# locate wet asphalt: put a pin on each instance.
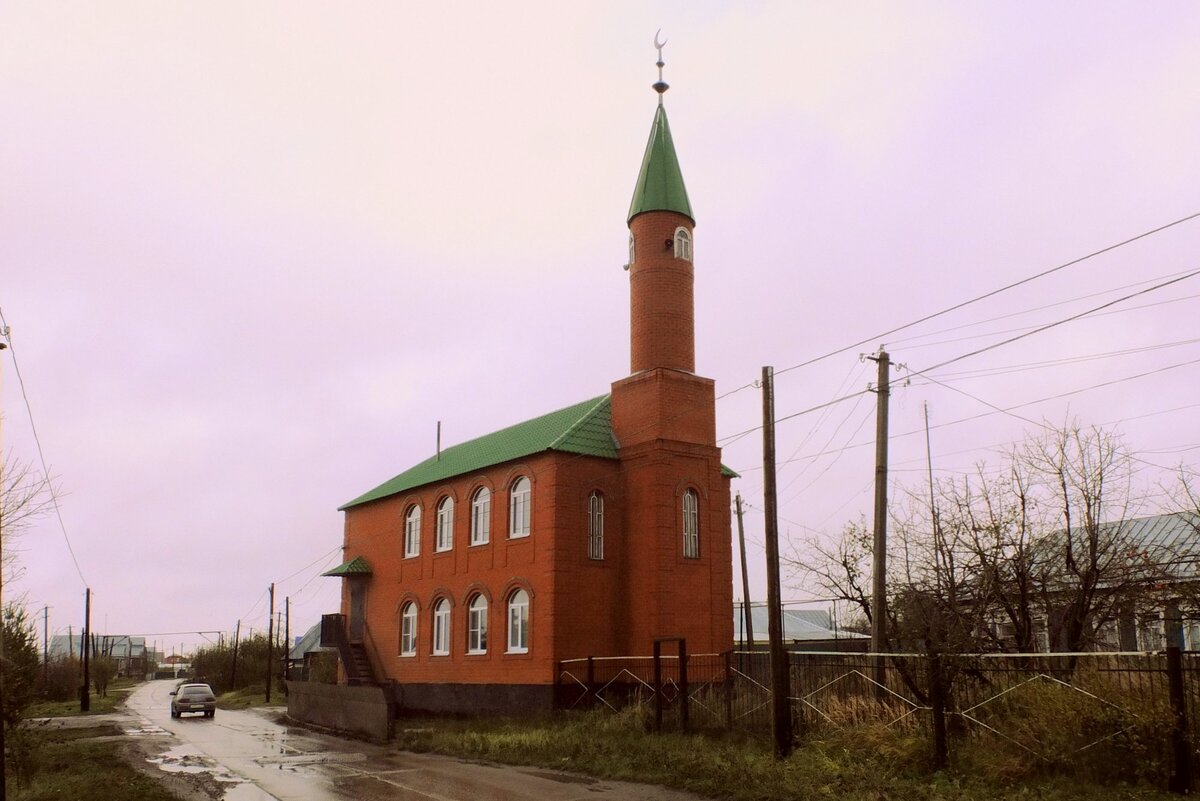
(253, 758)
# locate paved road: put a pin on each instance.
(254, 759)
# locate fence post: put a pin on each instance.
(683, 686)
(729, 690)
(937, 702)
(657, 686)
(591, 683)
(1181, 776)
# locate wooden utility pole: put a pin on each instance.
(287, 639)
(237, 636)
(781, 704)
(270, 640)
(748, 625)
(879, 563)
(3, 747)
(85, 696)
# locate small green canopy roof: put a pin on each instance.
(660, 182)
(355, 567)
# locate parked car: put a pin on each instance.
(193, 698)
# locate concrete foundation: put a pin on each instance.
(359, 711)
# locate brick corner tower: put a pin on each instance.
(664, 419)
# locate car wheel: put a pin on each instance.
(212, 714)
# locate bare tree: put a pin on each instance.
(25, 495)
(991, 560)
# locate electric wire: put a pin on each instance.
(4, 329)
(1056, 323)
(992, 293)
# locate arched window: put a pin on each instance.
(691, 525)
(441, 628)
(445, 525)
(481, 516)
(412, 531)
(631, 249)
(518, 508)
(408, 630)
(518, 622)
(596, 526)
(683, 244)
(477, 620)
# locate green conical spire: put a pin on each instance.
(660, 182)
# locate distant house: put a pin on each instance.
(1162, 605)
(304, 652)
(127, 651)
(803, 630)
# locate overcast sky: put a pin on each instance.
(252, 253)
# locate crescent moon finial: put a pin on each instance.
(661, 85)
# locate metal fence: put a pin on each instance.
(1113, 716)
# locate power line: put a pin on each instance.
(993, 293)
(1056, 304)
(1031, 327)
(1056, 323)
(4, 329)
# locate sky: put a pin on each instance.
(253, 253)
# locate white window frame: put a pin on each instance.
(596, 526)
(477, 625)
(412, 532)
(408, 629)
(691, 525)
(518, 622)
(631, 249)
(441, 628)
(445, 525)
(683, 244)
(519, 503)
(481, 516)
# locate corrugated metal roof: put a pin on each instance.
(585, 428)
(799, 625)
(660, 181)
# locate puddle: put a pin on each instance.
(311, 759)
(247, 792)
(186, 759)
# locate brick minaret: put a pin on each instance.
(663, 418)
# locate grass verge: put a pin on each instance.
(70, 763)
(252, 696)
(865, 764)
(99, 704)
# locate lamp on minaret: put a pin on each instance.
(662, 329)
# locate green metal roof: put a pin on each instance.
(355, 567)
(585, 428)
(660, 182)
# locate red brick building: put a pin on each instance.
(591, 530)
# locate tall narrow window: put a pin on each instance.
(518, 506)
(683, 244)
(691, 525)
(630, 249)
(481, 516)
(408, 630)
(596, 526)
(445, 524)
(518, 622)
(477, 614)
(412, 531)
(441, 628)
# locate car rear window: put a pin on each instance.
(196, 692)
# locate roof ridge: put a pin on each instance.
(600, 401)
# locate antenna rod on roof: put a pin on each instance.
(439, 440)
